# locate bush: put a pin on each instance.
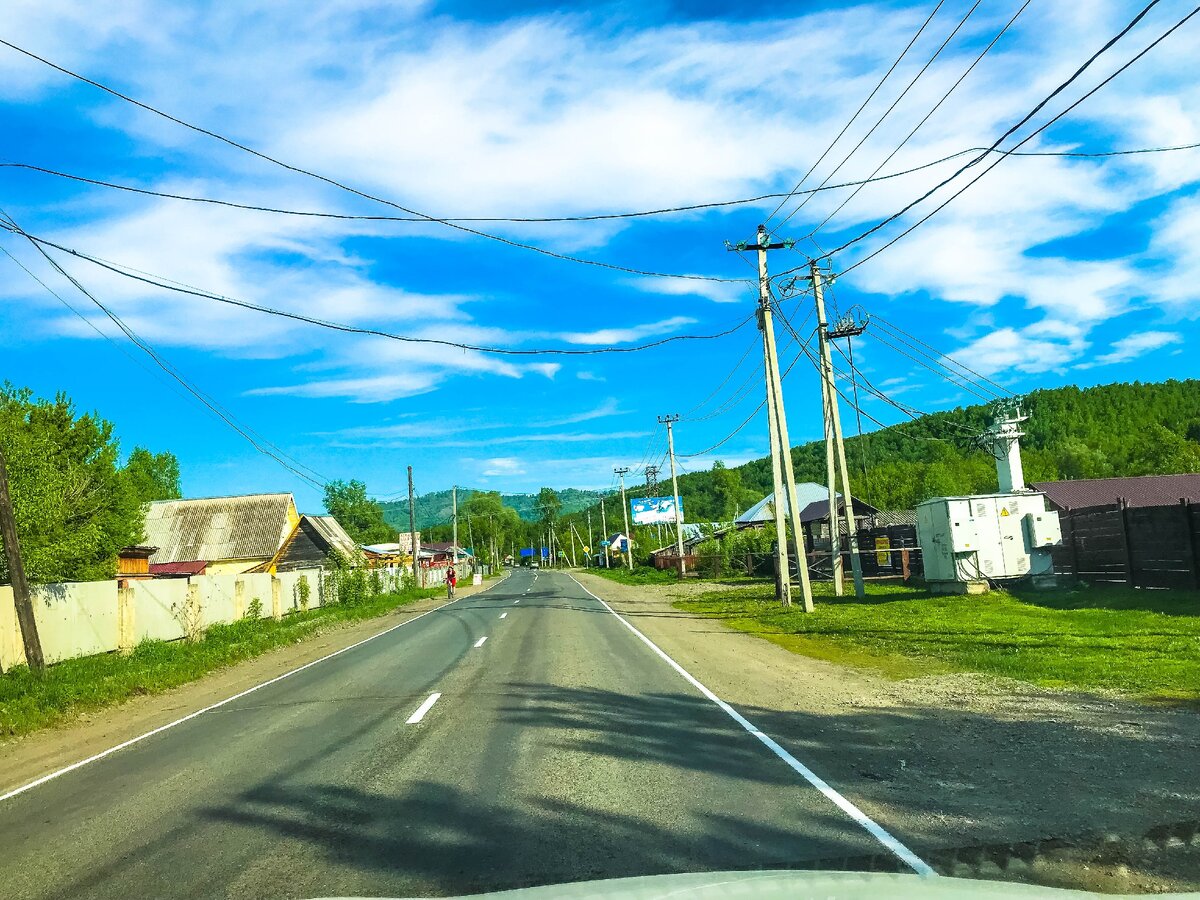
(254, 610)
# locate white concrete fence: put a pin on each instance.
(84, 618)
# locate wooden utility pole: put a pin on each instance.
(835, 446)
(625, 510)
(604, 531)
(454, 508)
(669, 421)
(782, 468)
(412, 531)
(591, 537)
(16, 574)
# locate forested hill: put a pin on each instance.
(1115, 429)
(435, 507)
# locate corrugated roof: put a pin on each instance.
(215, 528)
(335, 536)
(1138, 490)
(190, 567)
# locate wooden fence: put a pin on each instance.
(1146, 546)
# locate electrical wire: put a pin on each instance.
(166, 284)
(928, 115)
(256, 441)
(937, 354)
(725, 380)
(1036, 109)
(360, 193)
(857, 112)
(887, 112)
(1025, 140)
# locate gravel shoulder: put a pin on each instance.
(985, 777)
(26, 758)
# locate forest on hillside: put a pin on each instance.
(435, 508)
(1098, 432)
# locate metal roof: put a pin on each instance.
(216, 528)
(189, 568)
(806, 492)
(1138, 490)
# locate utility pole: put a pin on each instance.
(835, 446)
(454, 507)
(16, 574)
(782, 468)
(591, 537)
(670, 421)
(604, 529)
(625, 510)
(412, 531)
(652, 491)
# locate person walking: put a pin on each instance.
(451, 581)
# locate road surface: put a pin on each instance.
(523, 735)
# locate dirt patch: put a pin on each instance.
(985, 777)
(26, 758)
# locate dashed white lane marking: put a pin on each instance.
(479, 643)
(518, 600)
(423, 708)
(50, 776)
(876, 830)
(502, 615)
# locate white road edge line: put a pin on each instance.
(161, 728)
(502, 615)
(876, 830)
(423, 708)
(479, 643)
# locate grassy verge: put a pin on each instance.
(640, 575)
(68, 688)
(1141, 642)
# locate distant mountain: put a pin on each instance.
(435, 508)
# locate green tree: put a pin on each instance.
(1160, 451)
(152, 476)
(358, 514)
(727, 490)
(548, 506)
(74, 508)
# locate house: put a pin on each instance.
(311, 543)
(1138, 490)
(230, 535)
(763, 511)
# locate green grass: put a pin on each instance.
(1145, 643)
(29, 702)
(640, 575)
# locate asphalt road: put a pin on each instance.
(561, 748)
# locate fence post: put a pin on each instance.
(276, 598)
(1121, 506)
(194, 612)
(1194, 559)
(239, 599)
(126, 627)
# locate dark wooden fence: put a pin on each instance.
(1147, 546)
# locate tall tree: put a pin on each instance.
(152, 476)
(358, 514)
(548, 505)
(74, 508)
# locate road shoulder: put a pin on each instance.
(982, 776)
(26, 758)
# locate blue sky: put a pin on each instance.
(1049, 271)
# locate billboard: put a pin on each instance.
(655, 510)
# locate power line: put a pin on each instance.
(359, 193)
(1025, 140)
(165, 284)
(928, 115)
(887, 112)
(725, 380)
(857, 112)
(937, 354)
(874, 179)
(975, 161)
(257, 441)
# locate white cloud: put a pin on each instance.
(1011, 349)
(606, 336)
(503, 465)
(1133, 346)
(608, 408)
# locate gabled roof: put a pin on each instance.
(818, 510)
(1138, 490)
(332, 533)
(178, 569)
(215, 528)
(806, 492)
